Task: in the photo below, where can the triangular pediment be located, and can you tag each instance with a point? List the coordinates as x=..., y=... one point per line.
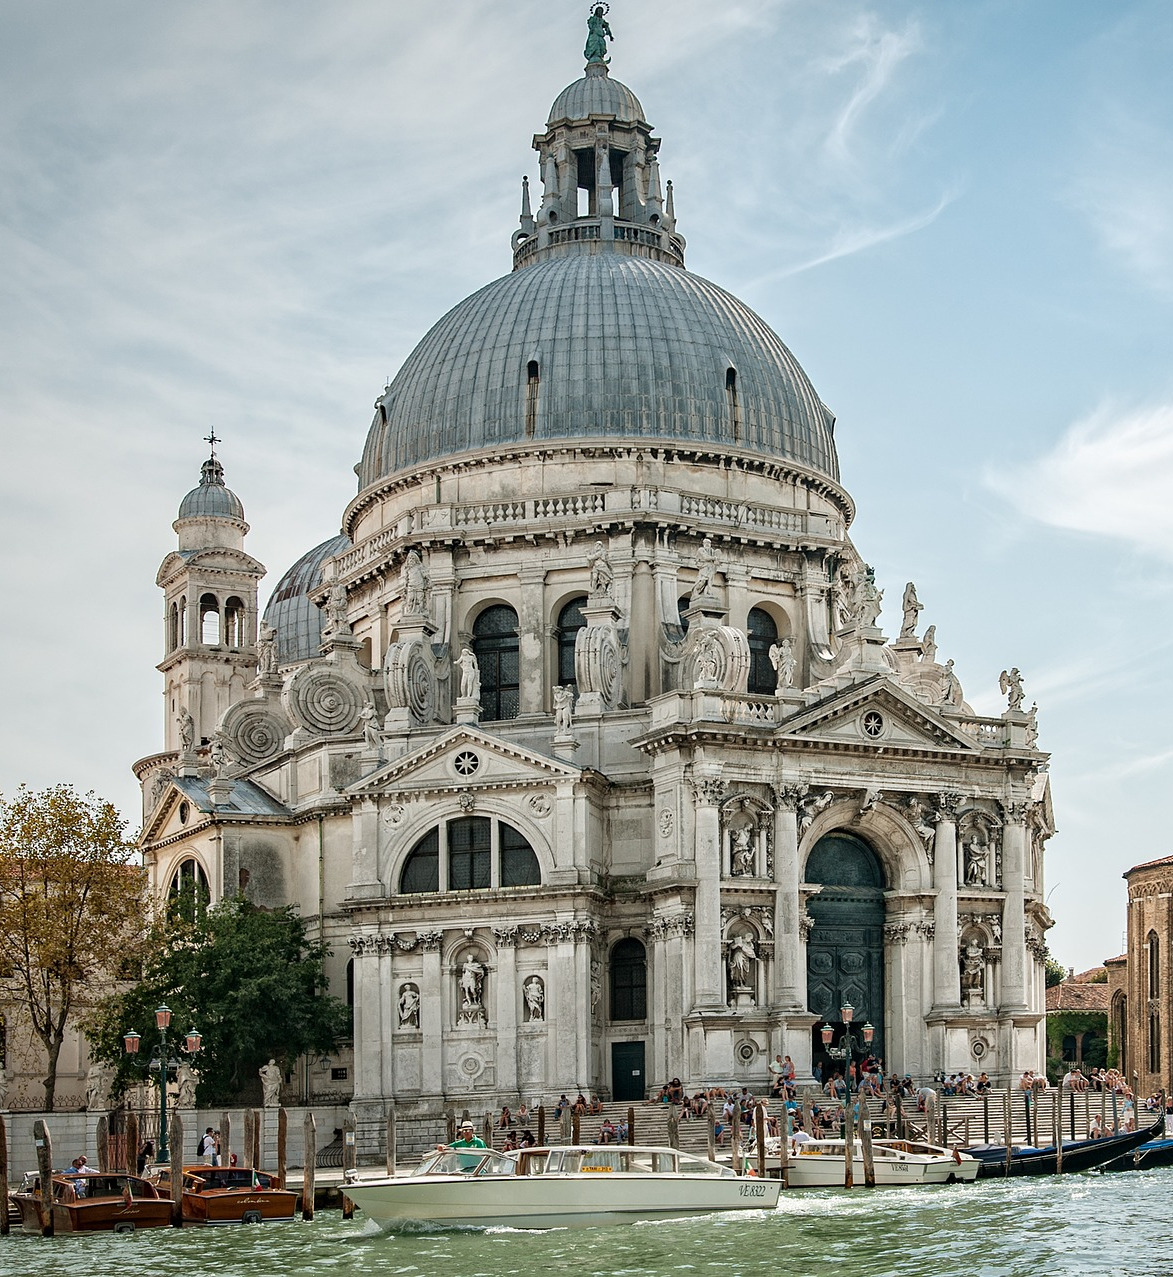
x=848, y=717
x=466, y=757
x=215, y=558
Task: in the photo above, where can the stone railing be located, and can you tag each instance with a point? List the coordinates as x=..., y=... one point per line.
x=989, y=732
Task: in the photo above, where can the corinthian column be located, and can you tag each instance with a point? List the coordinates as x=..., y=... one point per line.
x=1014, y=910
x=708, y=973
x=946, y=972
x=787, y=875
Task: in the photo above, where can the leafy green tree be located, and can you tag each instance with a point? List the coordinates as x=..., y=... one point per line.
x=72, y=908
x=249, y=979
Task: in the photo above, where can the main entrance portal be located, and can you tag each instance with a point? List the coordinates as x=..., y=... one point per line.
x=845, y=953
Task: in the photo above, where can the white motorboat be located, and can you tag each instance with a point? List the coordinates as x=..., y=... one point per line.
x=559, y=1187
x=822, y=1164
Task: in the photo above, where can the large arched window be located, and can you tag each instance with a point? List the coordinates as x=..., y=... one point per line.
x=495, y=644
x=570, y=621
x=1154, y=964
x=189, y=895
x=629, y=981
x=470, y=853
x=763, y=635
x=1120, y=1031
x=234, y=622
x=209, y=620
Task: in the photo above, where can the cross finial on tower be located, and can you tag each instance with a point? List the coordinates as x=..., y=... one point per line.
x=211, y=438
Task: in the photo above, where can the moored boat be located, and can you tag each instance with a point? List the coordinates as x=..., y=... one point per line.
x=91, y=1202
x=1078, y=1155
x=231, y=1195
x=823, y=1163
x=560, y=1187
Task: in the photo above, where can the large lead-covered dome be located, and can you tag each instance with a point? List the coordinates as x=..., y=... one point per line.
x=599, y=346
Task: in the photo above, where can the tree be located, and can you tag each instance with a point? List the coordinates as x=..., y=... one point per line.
x=249, y=979
x=72, y=908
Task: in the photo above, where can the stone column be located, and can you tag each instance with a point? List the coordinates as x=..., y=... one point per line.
x=432, y=1014
x=507, y=999
x=368, y=1039
x=789, y=990
x=365, y=833
x=560, y=993
x=946, y=972
x=1014, y=847
x=531, y=629
x=709, y=978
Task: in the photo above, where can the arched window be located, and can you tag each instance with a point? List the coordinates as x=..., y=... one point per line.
x=570, y=621
x=182, y=629
x=1154, y=1043
x=531, y=398
x=189, y=895
x=234, y=622
x=470, y=853
x=629, y=981
x=173, y=628
x=209, y=620
x=421, y=869
x=1120, y=1030
x=1154, y=963
x=495, y=645
x=763, y=635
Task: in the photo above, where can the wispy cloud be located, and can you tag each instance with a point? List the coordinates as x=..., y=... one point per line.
x=1110, y=475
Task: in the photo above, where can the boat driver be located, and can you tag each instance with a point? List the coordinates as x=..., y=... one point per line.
x=468, y=1137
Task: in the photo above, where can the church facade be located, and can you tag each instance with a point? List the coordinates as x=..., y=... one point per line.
x=583, y=744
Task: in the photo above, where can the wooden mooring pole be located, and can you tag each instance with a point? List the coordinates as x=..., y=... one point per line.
x=865, y=1143
x=44, y=1145
x=225, y=1140
x=848, y=1144
x=1007, y=1128
x=541, y=1126
x=759, y=1130
x=392, y=1146
x=673, y=1127
x=735, y=1138
x=784, y=1159
x=102, y=1137
x=350, y=1161
x=246, y=1155
x=1057, y=1130
x=630, y=1125
x=309, y=1162
x=175, y=1136
x=130, y=1149
x=282, y=1145
x=3, y=1177
x=712, y=1115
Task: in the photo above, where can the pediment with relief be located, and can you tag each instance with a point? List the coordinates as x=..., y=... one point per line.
x=466, y=758
x=880, y=715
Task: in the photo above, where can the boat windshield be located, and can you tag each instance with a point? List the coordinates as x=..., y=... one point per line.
x=231, y=1177
x=91, y=1186
x=472, y=1161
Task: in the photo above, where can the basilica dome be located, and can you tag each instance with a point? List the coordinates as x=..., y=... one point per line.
x=597, y=346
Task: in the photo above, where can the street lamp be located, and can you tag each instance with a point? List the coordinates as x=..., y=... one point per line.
x=849, y=1044
x=163, y=1061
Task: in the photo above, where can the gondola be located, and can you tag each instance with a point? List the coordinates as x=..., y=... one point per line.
x=1147, y=1157
x=1078, y=1155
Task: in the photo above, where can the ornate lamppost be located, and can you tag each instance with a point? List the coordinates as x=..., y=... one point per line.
x=164, y=1062
x=849, y=1044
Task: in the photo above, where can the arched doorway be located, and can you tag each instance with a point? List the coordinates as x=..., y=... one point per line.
x=845, y=952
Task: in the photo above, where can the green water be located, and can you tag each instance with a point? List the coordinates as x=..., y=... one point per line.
x=1076, y=1224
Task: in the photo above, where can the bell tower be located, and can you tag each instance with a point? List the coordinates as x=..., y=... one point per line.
x=209, y=586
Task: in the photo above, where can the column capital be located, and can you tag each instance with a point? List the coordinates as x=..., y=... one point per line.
x=947, y=802
x=788, y=797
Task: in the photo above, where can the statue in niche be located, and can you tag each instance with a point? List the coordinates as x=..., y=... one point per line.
x=708, y=662
x=810, y=808
x=470, y=675
x=271, y=1080
x=370, y=727
x=929, y=646
x=563, y=710
x=783, y=660
x=976, y=860
x=706, y=569
x=951, y=691
x=186, y=731
x=336, y=622
x=414, y=585
x=596, y=984
x=741, y=848
x=409, y=1007
x=912, y=608
x=742, y=956
x=973, y=969
x=1010, y=683
x=535, y=999
x=598, y=33
x=472, y=989
x=602, y=577
x=266, y=649
x=844, y=597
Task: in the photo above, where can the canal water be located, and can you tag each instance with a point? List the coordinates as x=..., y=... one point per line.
x=1077, y=1224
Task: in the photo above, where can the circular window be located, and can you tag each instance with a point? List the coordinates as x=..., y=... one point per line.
x=746, y=1051
x=873, y=723
x=184, y=813
x=466, y=763
x=978, y=1049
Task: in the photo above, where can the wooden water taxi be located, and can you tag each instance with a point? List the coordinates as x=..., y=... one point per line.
x=94, y=1203
x=230, y=1195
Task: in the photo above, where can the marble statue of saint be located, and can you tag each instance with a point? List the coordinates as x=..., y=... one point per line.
x=973, y=968
x=409, y=1007
x=1032, y=728
x=870, y=599
x=810, y=808
x=741, y=850
x=951, y=693
x=370, y=727
x=185, y=1076
x=708, y=661
x=598, y=33
x=266, y=649
x=98, y=1082
x=219, y=757
x=602, y=577
x=1010, y=683
x=271, y=1080
x=742, y=956
x=470, y=675
x=186, y=730
x=596, y=983
x=336, y=621
x=535, y=998
x=929, y=646
x=919, y=822
x=472, y=983
x=706, y=569
x=975, y=863
x=563, y=709
x=912, y=608
x=784, y=663
x=414, y=585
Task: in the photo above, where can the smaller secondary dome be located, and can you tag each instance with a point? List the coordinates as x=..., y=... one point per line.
x=597, y=94
x=292, y=613
x=211, y=500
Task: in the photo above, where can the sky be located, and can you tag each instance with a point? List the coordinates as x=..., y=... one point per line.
x=958, y=216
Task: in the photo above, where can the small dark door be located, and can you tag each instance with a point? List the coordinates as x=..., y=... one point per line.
x=627, y=1071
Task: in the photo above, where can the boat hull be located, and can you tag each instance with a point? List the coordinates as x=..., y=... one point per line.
x=1149, y=1156
x=239, y=1206
x=1083, y=1155
x=104, y=1215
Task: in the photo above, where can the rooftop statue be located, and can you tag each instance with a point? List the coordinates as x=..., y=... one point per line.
x=598, y=33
